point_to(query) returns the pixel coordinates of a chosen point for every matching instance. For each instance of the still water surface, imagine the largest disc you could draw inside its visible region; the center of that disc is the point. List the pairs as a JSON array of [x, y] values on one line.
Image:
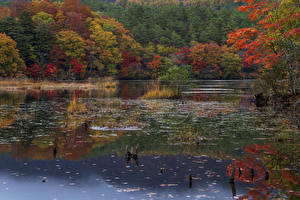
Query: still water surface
[[64, 144]]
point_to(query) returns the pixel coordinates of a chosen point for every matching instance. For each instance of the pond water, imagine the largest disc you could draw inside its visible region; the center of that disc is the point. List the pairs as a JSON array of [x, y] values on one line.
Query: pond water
[[213, 143]]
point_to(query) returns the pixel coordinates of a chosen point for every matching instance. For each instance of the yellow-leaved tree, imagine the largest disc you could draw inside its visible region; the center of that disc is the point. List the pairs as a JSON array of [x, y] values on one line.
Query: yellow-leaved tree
[[10, 60], [74, 48], [108, 51]]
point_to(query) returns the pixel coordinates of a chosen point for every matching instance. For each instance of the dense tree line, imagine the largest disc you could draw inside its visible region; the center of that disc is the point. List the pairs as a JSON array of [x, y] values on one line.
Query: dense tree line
[[175, 24], [208, 3], [67, 40], [63, 40]]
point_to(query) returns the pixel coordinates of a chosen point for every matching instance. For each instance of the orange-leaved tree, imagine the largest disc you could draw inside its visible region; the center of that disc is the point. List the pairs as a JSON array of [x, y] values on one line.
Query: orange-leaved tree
[[274, 40], [155, 66]]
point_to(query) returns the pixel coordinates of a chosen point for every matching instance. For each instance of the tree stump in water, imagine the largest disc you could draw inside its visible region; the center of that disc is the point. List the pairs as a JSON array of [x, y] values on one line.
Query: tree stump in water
[[260, 100]]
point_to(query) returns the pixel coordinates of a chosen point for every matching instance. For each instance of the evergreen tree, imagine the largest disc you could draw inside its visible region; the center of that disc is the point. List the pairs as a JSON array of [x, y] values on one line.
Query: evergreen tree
[[12, 28], [45, 39], [27, 45]]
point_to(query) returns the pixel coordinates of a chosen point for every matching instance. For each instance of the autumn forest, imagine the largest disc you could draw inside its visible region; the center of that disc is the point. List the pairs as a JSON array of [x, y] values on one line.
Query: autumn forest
[[151, 39], [149, 99]]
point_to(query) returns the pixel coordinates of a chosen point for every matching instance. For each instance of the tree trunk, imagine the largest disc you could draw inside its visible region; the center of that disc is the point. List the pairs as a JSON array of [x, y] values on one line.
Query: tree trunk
[[292, 79]]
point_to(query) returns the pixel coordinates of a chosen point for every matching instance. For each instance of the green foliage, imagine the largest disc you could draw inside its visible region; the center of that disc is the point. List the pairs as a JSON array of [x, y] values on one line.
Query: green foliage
[[166, 64], [72, 44], [175, 25], [232, 65], [28, 26], [43, 18], [45, 40], [27, 45], [176, 75], [13, 28], [3, 3], [273, 82]]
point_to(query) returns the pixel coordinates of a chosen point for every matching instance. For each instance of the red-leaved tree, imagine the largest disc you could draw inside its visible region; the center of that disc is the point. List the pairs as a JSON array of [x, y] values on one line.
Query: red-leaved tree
[[76, 67], [35, 71], [51, 71], [274, 38]]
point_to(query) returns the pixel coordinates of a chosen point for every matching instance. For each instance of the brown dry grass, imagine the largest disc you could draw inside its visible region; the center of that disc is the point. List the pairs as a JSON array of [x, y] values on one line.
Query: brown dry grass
[[158, 93], [24, 84]]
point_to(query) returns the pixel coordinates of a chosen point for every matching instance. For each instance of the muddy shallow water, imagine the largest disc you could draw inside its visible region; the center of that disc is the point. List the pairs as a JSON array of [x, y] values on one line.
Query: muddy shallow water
[[71, 144]]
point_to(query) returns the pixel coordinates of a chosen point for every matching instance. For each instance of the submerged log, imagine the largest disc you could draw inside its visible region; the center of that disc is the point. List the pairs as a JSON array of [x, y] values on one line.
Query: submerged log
[[54, 152], [260, 100], [132, 155]]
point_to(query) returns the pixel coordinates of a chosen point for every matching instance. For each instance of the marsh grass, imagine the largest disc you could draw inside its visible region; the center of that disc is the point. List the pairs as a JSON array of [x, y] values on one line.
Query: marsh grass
[[106, 83], [162, 93]]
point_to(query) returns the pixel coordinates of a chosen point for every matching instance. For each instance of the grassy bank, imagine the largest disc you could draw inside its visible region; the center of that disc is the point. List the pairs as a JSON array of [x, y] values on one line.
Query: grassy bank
[[24, 84]]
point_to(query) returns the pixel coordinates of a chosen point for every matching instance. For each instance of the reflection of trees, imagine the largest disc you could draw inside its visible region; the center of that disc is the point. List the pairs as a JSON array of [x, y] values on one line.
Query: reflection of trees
[[216, 96], [42, 126], [11, 98], [7, 118], [76, 114], [124, 90], [115, 113], [169, 127], [223, 129], [74, 144], [39, 126], [9, 107], [32, 118], [269, 167], [272, 167], [131, 90], [187, 131]]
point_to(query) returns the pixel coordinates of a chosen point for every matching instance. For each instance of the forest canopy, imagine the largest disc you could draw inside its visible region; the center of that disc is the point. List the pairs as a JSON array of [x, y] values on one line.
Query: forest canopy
[[127, 39]]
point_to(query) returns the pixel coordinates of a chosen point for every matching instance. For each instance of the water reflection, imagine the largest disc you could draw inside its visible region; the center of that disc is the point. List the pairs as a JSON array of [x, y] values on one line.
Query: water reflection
[[82, 144], [108, 177], [273, 169], [132, 155]]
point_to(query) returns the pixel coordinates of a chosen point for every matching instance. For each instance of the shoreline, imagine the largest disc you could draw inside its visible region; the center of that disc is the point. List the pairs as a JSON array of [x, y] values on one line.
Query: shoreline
[[14, 84], [28, 84]]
